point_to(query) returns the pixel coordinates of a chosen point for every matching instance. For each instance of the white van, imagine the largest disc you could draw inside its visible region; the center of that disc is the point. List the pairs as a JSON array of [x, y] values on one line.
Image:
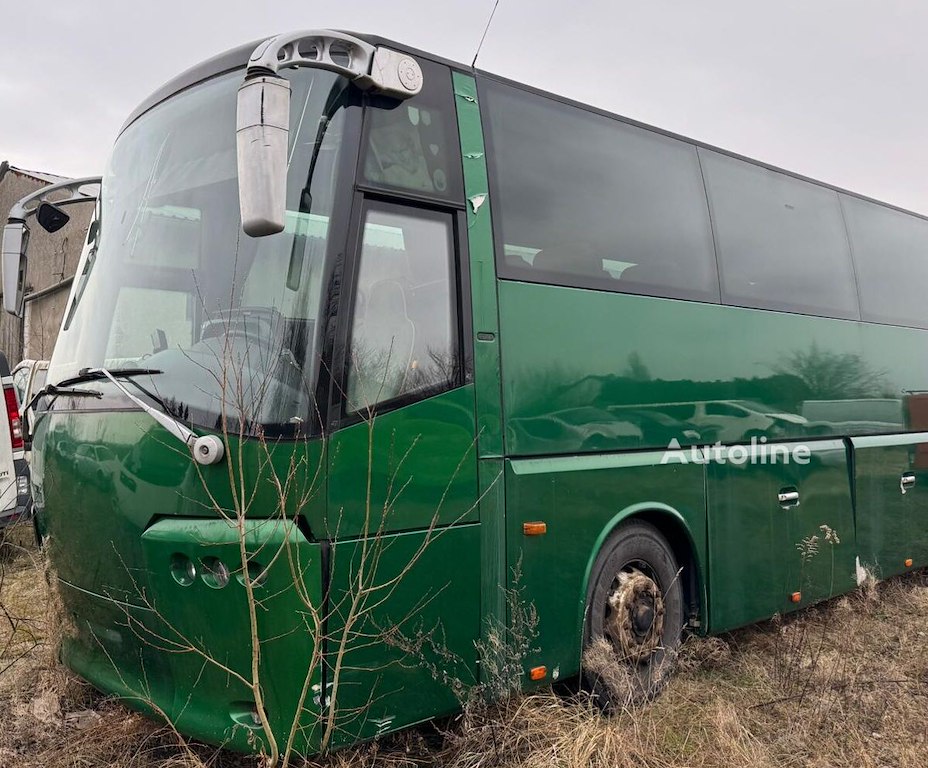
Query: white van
[[14, 481]]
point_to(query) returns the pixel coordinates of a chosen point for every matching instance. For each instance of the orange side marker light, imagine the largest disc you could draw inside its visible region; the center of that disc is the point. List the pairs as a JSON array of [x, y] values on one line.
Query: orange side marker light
[[538, 673], [908, 562], [534, 529], [795, 597]]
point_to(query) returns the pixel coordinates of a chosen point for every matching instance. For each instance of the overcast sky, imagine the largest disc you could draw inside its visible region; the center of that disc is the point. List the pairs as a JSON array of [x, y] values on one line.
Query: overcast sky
[[835, 89]]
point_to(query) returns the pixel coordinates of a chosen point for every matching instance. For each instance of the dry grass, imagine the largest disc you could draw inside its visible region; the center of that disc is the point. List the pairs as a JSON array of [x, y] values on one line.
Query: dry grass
[[841, 684]]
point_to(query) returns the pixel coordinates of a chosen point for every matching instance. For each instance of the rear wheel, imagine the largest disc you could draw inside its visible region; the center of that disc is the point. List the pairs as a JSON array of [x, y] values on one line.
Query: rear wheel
[[634, 616]]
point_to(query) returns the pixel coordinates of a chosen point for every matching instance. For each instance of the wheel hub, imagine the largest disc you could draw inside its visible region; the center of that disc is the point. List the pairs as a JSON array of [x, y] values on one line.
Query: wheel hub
[[636, 620], [642, 619]]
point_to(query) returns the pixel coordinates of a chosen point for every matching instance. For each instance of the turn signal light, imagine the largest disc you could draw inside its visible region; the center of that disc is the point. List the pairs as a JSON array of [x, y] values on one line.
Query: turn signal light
[[538, 673], [534, 529], [795, 597], [908, 562]]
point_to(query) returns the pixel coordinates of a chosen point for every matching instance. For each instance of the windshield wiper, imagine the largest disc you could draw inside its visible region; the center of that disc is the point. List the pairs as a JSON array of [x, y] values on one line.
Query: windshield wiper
[[53, 391], [206, 449], [95, 374]]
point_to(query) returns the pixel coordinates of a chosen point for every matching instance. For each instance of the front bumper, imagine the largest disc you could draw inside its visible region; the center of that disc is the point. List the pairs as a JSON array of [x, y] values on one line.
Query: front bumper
[[180, 649]]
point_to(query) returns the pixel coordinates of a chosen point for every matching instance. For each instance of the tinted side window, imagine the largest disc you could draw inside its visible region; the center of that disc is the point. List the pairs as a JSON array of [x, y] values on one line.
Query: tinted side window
[[413, 144], [587, 200], [781, 241], [891, 253]]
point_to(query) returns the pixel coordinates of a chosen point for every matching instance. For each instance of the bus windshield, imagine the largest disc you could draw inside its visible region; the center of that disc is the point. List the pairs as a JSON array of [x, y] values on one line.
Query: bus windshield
[[168, 281]]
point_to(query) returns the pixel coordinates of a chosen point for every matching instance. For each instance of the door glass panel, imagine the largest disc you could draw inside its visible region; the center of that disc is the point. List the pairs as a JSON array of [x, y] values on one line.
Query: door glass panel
[[403, 339]]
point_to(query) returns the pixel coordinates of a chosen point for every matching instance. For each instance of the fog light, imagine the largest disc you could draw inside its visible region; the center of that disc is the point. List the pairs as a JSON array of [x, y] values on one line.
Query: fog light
[[183, 570], [256, 574], [215, 573]]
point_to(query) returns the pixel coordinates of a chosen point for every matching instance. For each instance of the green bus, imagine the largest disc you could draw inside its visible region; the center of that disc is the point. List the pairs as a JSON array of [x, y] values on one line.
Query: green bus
[[380, 374]]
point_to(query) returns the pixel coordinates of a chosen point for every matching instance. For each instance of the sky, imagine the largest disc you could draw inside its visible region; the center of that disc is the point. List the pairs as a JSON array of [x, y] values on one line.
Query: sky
[[833, 89]]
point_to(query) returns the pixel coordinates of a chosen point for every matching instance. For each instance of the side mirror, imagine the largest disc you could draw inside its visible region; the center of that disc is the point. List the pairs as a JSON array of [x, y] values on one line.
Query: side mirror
[[15, 241], [50, 217], [262, 137]]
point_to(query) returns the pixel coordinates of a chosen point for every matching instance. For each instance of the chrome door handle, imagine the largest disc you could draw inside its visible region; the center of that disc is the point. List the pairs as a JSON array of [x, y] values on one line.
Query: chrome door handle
[[788, 497], [907, 481]]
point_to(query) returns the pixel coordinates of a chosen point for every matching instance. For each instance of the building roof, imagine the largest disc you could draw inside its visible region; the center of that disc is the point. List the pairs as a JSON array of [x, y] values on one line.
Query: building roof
[[48, 178]]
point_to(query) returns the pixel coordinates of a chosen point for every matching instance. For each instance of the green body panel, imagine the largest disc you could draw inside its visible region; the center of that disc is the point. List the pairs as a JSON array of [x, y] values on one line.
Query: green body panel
[[431, 613], [594, 371], [756, 564], [124, 470], [582, 499], [892, 526], [423, 475], [423, 468], [487, 375], [117, 514], [892, 523], [150, 655], [486, 326]]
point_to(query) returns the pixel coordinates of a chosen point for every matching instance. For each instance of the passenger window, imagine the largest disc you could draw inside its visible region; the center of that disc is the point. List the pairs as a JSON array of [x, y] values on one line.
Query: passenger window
[[781, 240], [891, 254], [403, 338], [587, 200]]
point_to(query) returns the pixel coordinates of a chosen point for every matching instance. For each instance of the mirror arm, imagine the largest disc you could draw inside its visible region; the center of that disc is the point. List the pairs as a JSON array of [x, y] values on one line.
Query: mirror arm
[[368, 66], [75, 187], [262, 123], [16, 234]]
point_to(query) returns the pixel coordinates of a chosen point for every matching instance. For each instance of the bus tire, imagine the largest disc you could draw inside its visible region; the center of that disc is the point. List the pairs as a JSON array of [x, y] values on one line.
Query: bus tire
[[635, 604]]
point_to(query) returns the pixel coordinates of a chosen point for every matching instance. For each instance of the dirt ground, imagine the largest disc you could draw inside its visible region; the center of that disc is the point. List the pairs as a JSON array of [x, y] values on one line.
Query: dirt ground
[[841, 684]]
